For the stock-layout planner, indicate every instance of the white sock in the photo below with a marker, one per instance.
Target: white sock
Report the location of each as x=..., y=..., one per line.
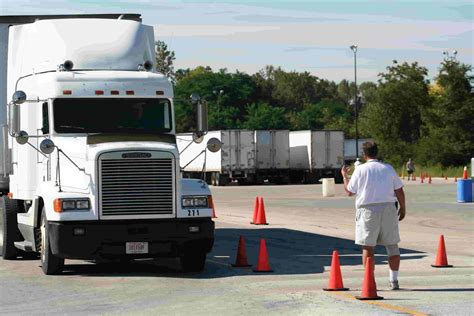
x=393, y=275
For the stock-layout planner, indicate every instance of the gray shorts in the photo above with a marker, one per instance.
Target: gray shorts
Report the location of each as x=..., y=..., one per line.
x=377, y=224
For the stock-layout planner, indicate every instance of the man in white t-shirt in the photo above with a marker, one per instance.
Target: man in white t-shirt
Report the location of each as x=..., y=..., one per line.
x=377, y=187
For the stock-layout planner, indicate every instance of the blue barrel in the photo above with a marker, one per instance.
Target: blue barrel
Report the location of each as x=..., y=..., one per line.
x=464, y=191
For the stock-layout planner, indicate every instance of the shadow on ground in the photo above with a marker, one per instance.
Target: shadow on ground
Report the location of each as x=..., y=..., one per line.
x=290, y=252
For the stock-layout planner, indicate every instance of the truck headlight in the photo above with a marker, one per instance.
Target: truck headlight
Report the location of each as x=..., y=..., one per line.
x=83, y=204
x=61, y=205
x=194, y=201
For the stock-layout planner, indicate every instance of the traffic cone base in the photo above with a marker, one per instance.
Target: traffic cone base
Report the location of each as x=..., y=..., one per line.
x=360, y=298
x=447, y=266
x=343, y=289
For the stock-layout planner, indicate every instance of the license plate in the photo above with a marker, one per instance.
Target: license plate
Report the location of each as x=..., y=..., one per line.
x=136, y=247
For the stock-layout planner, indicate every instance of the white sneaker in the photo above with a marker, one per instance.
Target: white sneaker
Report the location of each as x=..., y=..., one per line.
x=394, y=285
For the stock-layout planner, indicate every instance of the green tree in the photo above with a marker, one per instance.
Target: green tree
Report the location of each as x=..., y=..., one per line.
x=450, y=121
x=164, y=59
x=265, y=116
x=394, y=117
x=226, y=110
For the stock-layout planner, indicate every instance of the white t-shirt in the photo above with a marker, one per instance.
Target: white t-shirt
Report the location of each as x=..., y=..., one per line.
x=374, y=182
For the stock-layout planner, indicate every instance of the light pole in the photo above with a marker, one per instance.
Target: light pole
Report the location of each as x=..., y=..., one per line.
x=453, y=57
x=356, y=99
x=218, y=94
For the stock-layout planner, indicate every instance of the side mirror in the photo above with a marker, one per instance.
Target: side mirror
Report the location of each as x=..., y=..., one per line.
x=22, y=137
x=47, y=146
x=197, y=138
x=13, y=119
x=214, y=145
x=201, y=114
x=18, y=97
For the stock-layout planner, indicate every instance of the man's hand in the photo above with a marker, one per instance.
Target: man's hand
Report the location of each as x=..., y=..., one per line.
x=401, y=213
x=345, y=171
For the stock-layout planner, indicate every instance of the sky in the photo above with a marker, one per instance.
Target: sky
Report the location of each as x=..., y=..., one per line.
x=298, y=35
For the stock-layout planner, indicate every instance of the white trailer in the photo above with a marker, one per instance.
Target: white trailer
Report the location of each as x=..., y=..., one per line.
x=235, y=160
x=272, y=155
x=315, y=155
x=94, y=168
x=246, y=156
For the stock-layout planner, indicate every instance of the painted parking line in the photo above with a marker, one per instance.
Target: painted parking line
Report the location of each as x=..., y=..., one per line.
x=382, y=305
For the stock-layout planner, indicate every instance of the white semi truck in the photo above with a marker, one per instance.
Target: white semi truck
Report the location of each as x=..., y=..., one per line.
x=90, y=167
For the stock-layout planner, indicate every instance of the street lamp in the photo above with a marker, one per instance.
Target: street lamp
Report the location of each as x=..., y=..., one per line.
x=218, y=94
x=356, y=99
x=453, y=57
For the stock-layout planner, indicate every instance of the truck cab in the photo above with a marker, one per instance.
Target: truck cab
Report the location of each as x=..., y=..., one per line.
x=90, y=163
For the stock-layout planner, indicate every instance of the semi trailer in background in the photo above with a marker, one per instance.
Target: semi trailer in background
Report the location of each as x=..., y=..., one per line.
x=249, y=157
x=315, y=155
x=90, y=166
x=350, y=149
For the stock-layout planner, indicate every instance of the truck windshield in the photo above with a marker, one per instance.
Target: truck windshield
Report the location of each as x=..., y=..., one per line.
x=112, y=115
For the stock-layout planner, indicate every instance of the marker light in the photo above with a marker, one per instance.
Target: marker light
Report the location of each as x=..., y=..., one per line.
x=67, y=92
x=99, y=92
x=114, y=92
x=129, y=92
x=160, y=92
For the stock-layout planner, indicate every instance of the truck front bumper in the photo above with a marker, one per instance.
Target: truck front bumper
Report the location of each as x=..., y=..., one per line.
x=107, y=239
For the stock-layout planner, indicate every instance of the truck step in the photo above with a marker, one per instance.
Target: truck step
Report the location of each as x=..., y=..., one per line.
x=24, y=245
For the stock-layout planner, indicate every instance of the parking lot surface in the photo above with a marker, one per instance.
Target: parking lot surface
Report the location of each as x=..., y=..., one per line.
x=304, y=228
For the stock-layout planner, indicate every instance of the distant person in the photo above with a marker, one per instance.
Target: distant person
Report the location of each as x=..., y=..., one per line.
x=377, y=187
x=410, y=168
x=357, y=163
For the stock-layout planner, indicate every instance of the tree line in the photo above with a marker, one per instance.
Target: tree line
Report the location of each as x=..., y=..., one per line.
x=406, y=114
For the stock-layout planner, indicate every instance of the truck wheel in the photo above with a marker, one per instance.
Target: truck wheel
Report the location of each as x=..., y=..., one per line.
x=193, y=261
x=11, y=233
x=49, y=262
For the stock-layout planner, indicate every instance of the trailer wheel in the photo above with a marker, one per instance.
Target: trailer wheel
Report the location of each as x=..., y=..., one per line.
x=221, y=179
x=49, y=263
x=193, y=261
x=11, y=233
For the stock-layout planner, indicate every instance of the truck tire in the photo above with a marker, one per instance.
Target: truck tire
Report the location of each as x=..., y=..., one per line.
x=193, y=261
x=11, y=233
x=49, y=263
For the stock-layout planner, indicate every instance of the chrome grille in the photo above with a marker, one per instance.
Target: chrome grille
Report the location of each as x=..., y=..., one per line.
x=139, y=186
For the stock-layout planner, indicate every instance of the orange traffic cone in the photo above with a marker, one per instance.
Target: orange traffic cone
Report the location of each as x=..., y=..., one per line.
x=335, y=278
x=464, y=173
x=421, y=179
x=414, y=177
x=255, y=211
x=261, y=218
x=262, y=264
x=429, y=180
x=441, y=257
x=445, y=177
x=241, y=259
x=369, y=288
